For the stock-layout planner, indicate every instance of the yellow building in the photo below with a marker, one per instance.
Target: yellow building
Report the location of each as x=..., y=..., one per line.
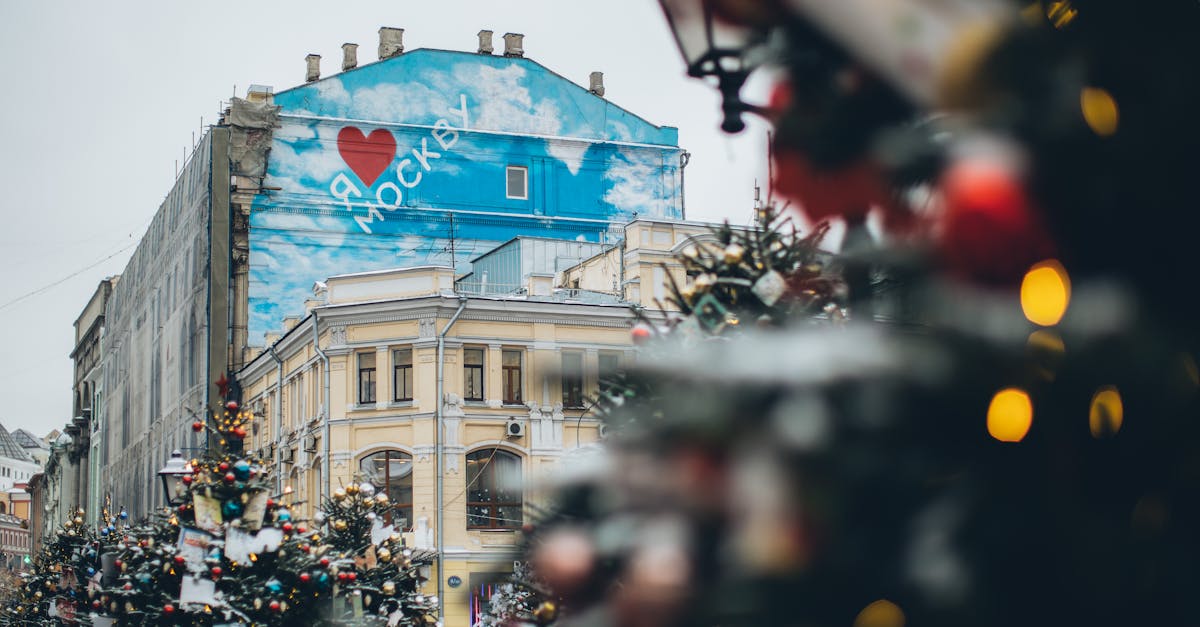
x=375, y=354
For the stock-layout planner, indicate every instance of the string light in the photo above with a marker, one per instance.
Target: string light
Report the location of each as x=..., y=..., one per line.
x=1045, y=293
x=1107, y=412
x=1010, y=415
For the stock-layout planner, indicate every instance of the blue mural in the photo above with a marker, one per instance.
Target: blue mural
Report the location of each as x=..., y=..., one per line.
x=383, y=166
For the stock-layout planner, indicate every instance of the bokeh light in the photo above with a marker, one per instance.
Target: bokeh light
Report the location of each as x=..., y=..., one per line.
x=1045, y=293
x=1010, y=415
x=1106, y=413
x=881, y=613
x=1099, y=110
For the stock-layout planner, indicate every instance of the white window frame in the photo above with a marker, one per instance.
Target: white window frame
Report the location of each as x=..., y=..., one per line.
x=525, y=179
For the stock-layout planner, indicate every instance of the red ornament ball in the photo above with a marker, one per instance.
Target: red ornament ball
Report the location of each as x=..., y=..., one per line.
x=229, y=478
x=990, y=231
x=287, y=527
x=224, y=466
x=324, y=561
x=274, y=605
x=187, y=480
x=270, y=502
x=304, y=548
x=197, y=426
x=342, y=576
x=305, y=577
x=216, y=572
x=179, y=560
x=641, y=334
x=118, y=563
x=231, y=405
x=351, y=576
x=95, y=605
x=239, y=432
x=301, y=529
x=168, y=609
x=127, y=586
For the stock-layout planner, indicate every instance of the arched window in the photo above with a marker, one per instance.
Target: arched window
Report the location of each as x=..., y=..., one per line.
x=391, y=474
x=493, y=490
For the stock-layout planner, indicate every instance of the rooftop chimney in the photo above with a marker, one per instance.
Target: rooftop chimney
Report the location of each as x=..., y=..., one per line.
x=314, y=68
x=597, y=83
x=513, y=43
x=485, y=42
x=391, y=42
x=349, y=56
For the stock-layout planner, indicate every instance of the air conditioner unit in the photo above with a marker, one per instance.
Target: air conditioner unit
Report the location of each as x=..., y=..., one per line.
x=310, y=444
x=514, y=428
x=602, y=429
x=289, y=456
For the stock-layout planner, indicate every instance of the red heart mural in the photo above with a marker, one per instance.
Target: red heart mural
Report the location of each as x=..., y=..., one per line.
x=368, y=156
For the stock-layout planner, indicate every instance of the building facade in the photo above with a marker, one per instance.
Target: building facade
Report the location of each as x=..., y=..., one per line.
x=514, y=374
x=423, y=157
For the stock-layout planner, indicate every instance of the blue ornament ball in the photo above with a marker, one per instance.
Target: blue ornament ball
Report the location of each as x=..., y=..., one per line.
x=231, y=509
x=283, y=516
x=241, y=469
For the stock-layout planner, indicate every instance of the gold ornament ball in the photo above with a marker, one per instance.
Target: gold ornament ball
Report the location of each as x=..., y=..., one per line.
x=381, y=498
x=389, y=588
x=395, y=537
x=734, y=254
x=546, y=612
x=68, y=524
x=78, y=520
x=38, y=594
x=340, y=525
x=384, y=555
x=351, y=489
x=339, y=495
x=80, y=512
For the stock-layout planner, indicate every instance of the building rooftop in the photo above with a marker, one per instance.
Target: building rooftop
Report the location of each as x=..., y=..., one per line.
x=10, y=449
x=28, y=440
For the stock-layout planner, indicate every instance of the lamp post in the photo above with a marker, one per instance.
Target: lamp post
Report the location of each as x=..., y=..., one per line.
x=172, y=477
x=715, y=41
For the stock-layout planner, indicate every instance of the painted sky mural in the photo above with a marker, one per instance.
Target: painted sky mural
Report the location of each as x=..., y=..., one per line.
x=380, y=166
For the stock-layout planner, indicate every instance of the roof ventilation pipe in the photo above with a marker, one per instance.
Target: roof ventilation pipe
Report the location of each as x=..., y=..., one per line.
x=391, y=42
x=485, y=42
x=596, y=83
x=514, y=45
x=314, y=68
x=349, y=56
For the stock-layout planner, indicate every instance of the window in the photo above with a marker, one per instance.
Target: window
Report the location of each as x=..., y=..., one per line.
x=512, y=376
x=391, y=473
x=493, y=490
x=366, y=378
x=402, y=374
x=517, y=182
x=609, y=364
x=572, y=380
x=473, y=374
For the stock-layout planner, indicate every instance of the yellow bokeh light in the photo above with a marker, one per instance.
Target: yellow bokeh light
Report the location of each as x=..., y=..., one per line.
x=1061, y=13
x=1010, y=415
x=881, y=613
x=1107, y=412
x=1045, y=293
x=1099, y=110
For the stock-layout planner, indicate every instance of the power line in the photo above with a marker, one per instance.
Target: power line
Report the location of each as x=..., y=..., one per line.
x=66, y=278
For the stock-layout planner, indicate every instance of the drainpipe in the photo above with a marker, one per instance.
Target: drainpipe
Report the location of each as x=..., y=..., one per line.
x=326, y=404
x=441, y=463
x=278, y=419
x=685, y=158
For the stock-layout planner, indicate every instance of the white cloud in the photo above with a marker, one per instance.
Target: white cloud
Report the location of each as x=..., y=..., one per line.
x=570, y=153
x=501, y=103
x=636, y=181
x=294, y=157
x=332, y=91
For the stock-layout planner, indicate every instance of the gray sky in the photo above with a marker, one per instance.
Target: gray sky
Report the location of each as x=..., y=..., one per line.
x=105, y=97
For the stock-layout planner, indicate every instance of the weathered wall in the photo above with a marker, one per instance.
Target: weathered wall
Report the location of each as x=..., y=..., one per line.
x=155, y=342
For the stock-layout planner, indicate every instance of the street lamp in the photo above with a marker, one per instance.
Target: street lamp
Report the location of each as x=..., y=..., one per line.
x=172, y=477
x=716, y=39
